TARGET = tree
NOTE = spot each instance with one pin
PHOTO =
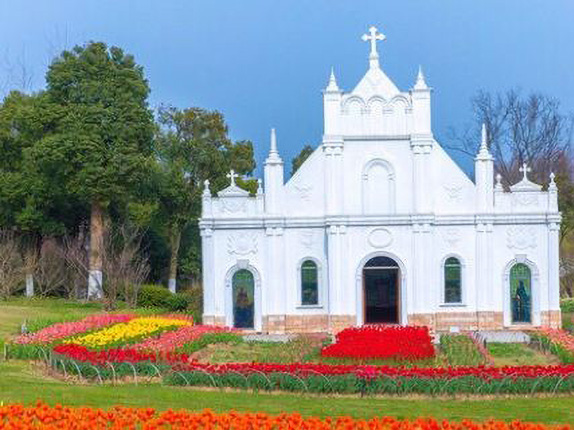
(529, 129)
(101, 146)
(300, 159)
(193, 146)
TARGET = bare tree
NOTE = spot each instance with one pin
(75, 252)
(12, 268)
(51, 271)
(125, 269)
(528, 129)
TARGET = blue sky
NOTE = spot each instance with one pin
(264, 63)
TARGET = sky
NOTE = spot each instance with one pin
(263, 63)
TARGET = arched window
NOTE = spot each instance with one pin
(309, 283)
(521, 293)
(452, 281)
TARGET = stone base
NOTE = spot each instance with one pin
(306, 323)
(340, 322)
(274, 324)
(422, 319)
(213, 320)
(551, 319)
(463, 321)
(488, 320)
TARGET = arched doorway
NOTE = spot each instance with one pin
(381, 292)
(243, 293)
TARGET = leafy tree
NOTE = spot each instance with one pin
(101, 145)
(193, 146)
(300, 159)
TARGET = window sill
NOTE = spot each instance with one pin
(452, 305)
(309, 307)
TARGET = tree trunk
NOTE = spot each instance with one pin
(174, 241)
(95, 288)
(29, 285)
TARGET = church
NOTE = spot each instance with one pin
(380, 225)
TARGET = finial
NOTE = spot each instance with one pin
(273, 156)
(525, 170)
(420, 83)
(259, 187)
(206, 191)
(232, 175)
(332, 86)
(483, 152)
(552, 184)
(498, 186)
(372, 37)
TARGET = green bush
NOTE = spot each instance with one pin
(209, 339)
(176, 302)
(567, 305)
(153, 296)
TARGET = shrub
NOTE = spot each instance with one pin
(176, 302)
(567, 305)
(153, 296)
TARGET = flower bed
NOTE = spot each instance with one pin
(380, 341)
(60, 331)
(134, 330)
(170, 341)
(41, 416)
(559, 342)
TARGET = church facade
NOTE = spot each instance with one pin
(380, 225)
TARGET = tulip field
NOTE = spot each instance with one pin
(164, 353)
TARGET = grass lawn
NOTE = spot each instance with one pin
(518, 354)
(22, 382)
(15, 311)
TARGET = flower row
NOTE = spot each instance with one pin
(183, 362)
(135, 329)
(60, 331)
(41, 416)
(381, 341)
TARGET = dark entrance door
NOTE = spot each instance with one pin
(381, 291)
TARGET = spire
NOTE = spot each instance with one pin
(273, 156)
(483, 153)
(373, 36)
(498, 186)
(332, 87)
(420, 83)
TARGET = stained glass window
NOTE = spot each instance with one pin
(452, 281)
(309, 283)
(243, 299)
(520, 293)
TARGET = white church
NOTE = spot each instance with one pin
(380, 225)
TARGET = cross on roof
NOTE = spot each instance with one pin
(232, 175)
(373, 36)
(525, 170)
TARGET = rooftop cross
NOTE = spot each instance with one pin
(232, 175)
(373, 36)
(525, 170)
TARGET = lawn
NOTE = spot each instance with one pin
(22, 382)
(25, 382)
(518, 354)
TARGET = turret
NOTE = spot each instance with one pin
(332, 106)
(484, 175)
(552, 194)
(421, 98)
(273, 178)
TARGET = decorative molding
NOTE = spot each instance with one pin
(233, 204)
(521, 237)
(453, 192)
(242, 244)
(304, 191)
(452, 236)
(525, 199)
(380, 238)
(307, 239)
